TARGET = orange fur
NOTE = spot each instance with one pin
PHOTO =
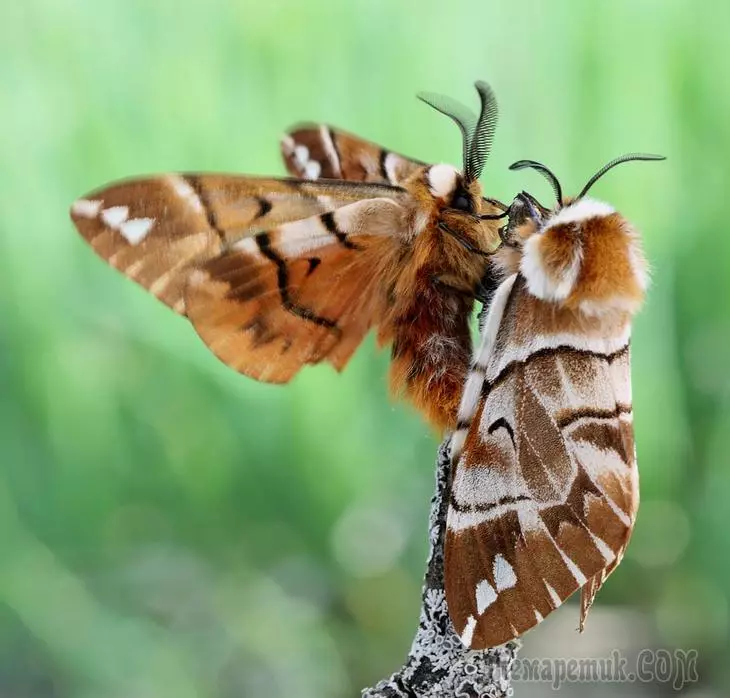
(610, 277)
(606, 270)
(558, 247)
(427, 321)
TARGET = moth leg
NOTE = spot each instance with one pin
(466, 244)
(486, 287)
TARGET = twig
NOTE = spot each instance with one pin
(438, 664)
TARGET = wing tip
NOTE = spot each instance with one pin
(85, 208)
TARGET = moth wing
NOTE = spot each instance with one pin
(314, 151)
(156, 229)
(297, 294)
(545, 486)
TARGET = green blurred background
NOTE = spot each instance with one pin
(169, 528)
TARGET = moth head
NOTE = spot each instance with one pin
(456, 196)
(582, 254)
(451, 189)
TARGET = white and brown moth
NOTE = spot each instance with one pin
(545, 487)
(275, 274)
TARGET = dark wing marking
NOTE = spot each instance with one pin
(299, 294)
(546, 510)
(156, 229)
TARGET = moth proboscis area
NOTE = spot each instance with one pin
(545, 486)
(275, 274)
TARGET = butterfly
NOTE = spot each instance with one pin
(545, 488)
(275, 274)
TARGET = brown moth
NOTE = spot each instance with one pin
(275, 274)
(545, 487)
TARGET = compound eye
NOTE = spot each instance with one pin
(462, 202)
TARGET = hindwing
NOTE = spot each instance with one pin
(314, 151)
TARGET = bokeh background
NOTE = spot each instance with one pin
(169, 528)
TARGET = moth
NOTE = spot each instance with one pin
(545, 487)
(276, 274)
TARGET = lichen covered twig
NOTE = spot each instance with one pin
(438, 665)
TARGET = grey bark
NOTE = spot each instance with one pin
(438, 664)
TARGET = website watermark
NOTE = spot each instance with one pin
(674, 669)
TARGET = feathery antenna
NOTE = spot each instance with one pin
(477, 132)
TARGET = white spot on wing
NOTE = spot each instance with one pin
(185, 192)
(504, 574)
(485, 595)
(553, 595)
(580, 578)
(86, 208)
(312, 169)
(115, 216)
(301, 155)
(468, 634)
(608, 554)
(136, 230)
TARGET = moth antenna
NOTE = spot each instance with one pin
(460, 114)
(493, 216)
(545, 172)
(624, 158)
(496, 202)
(481, 142)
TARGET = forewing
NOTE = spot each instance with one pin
(156, 229)
(298, 294)
(545, 487)
(315, 151)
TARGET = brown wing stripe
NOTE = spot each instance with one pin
(199, 190)
(567, 417)
(562, 350)
(282, 278)
(328, 219)
(487, 506)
